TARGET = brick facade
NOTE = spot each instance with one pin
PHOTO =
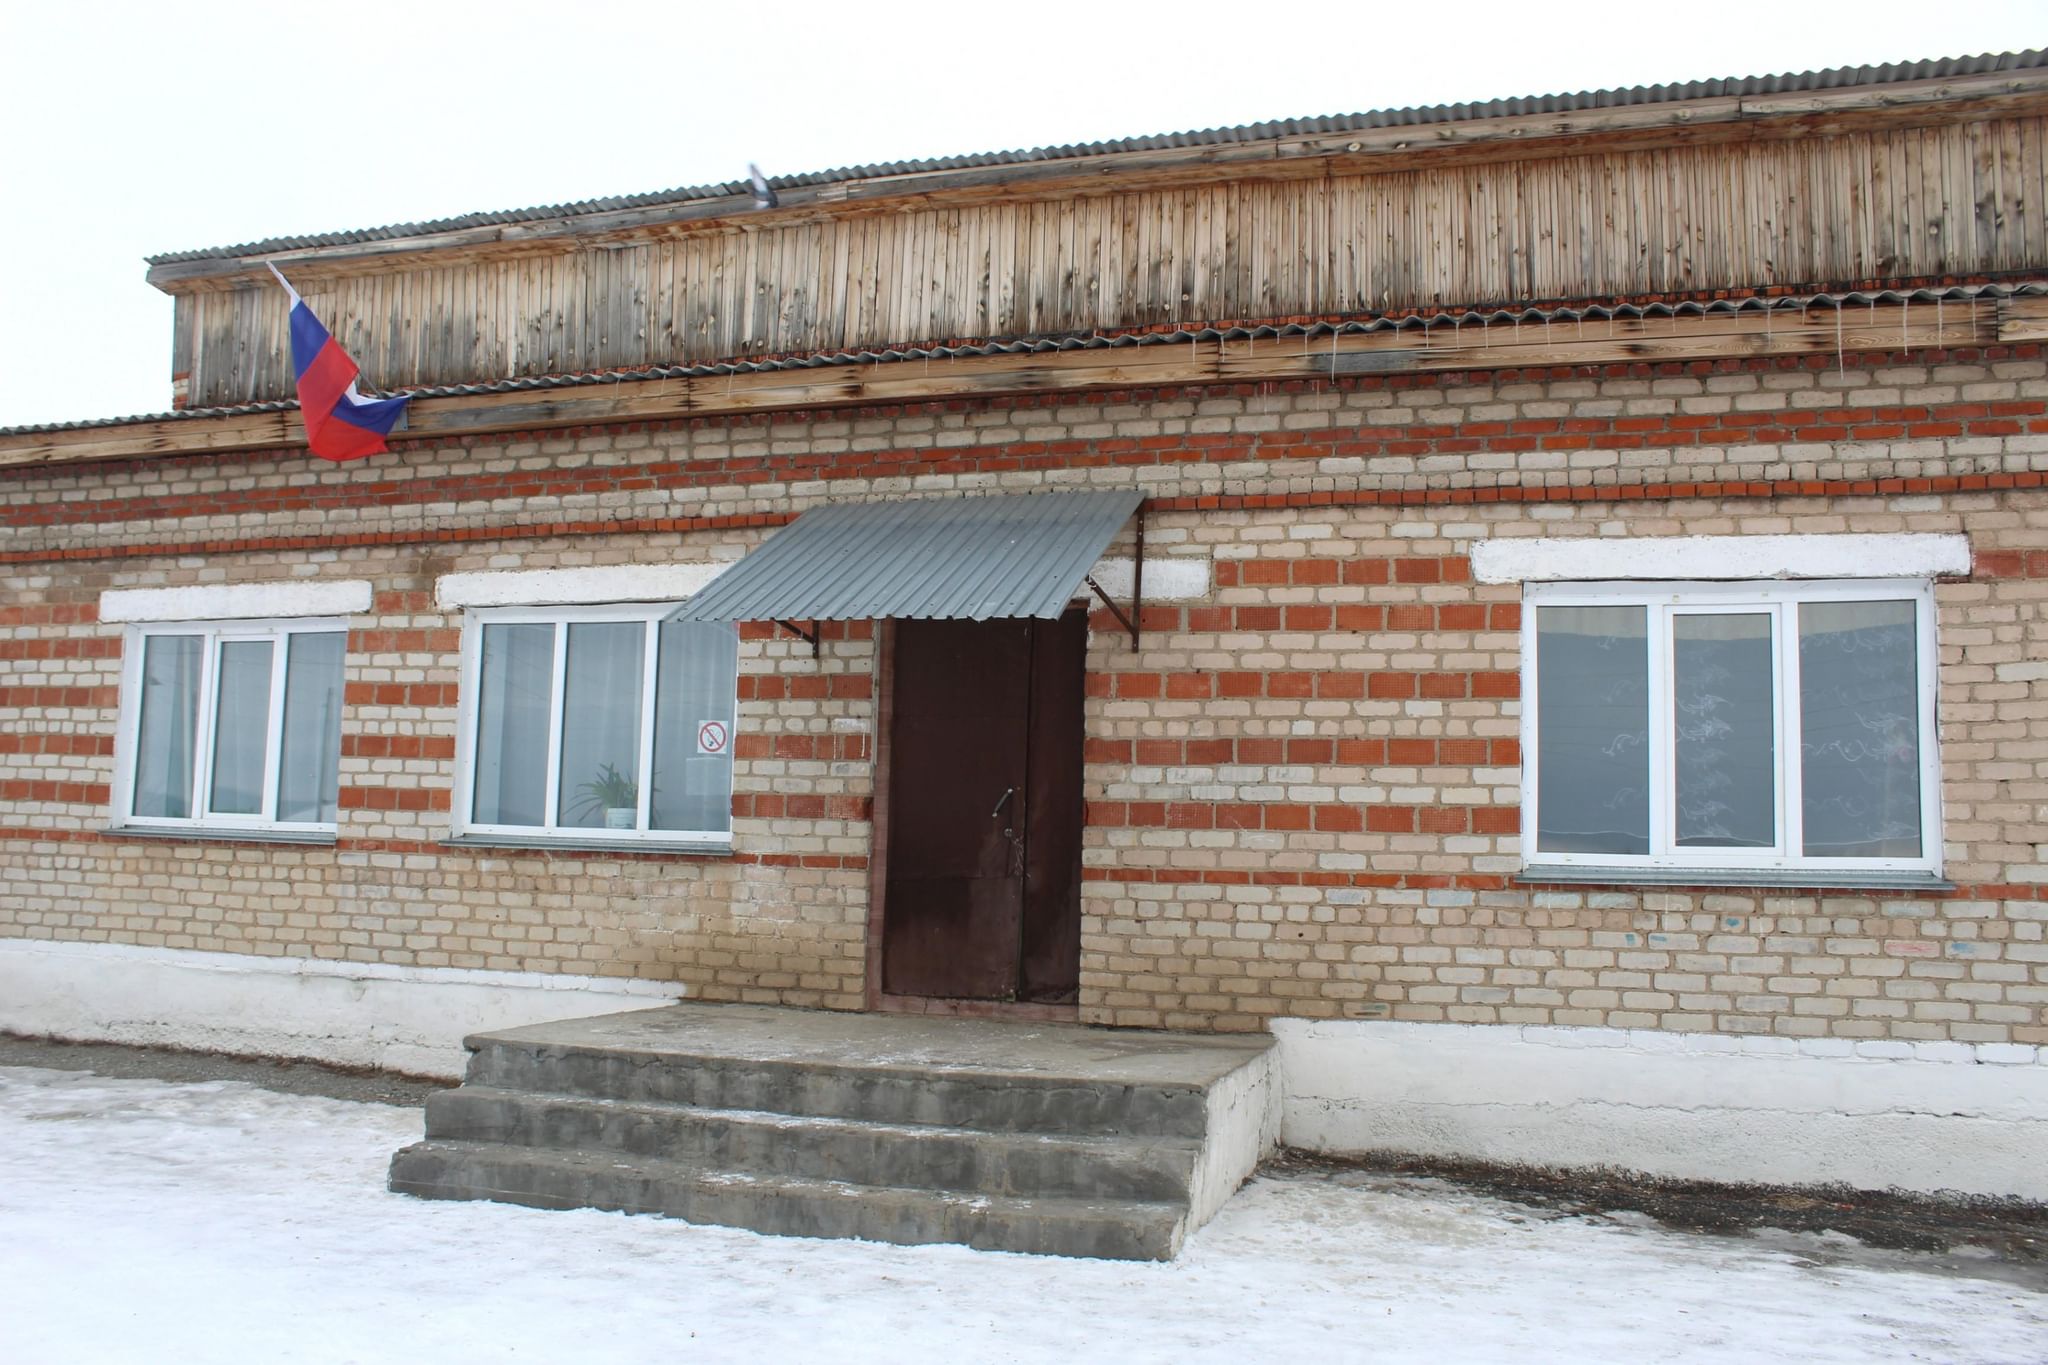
(1302, 790)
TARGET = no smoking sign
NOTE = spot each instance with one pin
(711, 737)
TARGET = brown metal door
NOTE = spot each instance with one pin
(959, 724)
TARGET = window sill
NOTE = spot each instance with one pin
(303, 838)
(555, 844)
(1766, 879)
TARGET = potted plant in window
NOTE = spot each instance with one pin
(614, 794)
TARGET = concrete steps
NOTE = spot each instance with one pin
(821, 1148)
(1018, 1137)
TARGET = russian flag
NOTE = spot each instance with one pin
(341, 424)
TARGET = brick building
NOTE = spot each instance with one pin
(1580, 596)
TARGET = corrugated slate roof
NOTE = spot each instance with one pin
(942, 558)
(1834, 78)
(1427, 323)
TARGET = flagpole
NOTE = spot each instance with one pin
(283, 281)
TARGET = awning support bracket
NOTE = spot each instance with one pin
(813, 636)
(1137, 613)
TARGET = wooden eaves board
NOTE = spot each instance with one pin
(1886, 327)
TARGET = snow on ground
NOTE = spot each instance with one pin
(142, 1221)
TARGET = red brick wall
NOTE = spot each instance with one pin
(1302, 787)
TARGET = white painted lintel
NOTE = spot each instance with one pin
(1585, 559)
(236, 601)
(573, 587)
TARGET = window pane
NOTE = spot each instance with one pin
(241, 727)
(1859, 708)
(600, 783)
(1592, 728)
(694, 686)
(309, 770)
(169, 726)
(1724, 714)
(513, 692)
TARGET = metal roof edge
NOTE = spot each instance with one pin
(1832, 79)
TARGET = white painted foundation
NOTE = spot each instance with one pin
(1873, 1115)
(407, 1019)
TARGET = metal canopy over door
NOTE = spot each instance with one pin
(978, 820)
(982, 892)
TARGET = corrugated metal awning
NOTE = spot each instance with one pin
(968, 558)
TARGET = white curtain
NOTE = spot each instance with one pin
(1859, 700)
(169, 726)
(309, 774)
(600, 775)
(1592, 729)
(696, 666)
(513, 692)
(241, 726)
(1724, 717)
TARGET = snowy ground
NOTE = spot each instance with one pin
(143, 1221)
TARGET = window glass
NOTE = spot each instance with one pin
(214, 745)
(168, 727)
(1593, 706)
(309, 766)
(695, 665)
(1731, 726)
(1859, 706)
(241, 726)
(600, 772)
(514, 694)
(627, 759)
(1724, 745)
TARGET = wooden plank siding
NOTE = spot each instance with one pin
(1956, 199)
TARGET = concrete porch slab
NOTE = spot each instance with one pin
(993, 1048)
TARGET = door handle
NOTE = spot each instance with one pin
(1016, 845)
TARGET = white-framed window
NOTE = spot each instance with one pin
(568, 712)
(233, 726)
(1731, 726)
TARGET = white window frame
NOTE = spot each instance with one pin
(1663, 600)
(215, 634)
(562, 617)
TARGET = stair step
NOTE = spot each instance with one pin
(1119, 1229)
(994, 1102)
(823, 1148)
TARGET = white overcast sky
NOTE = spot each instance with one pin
(132, 129)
